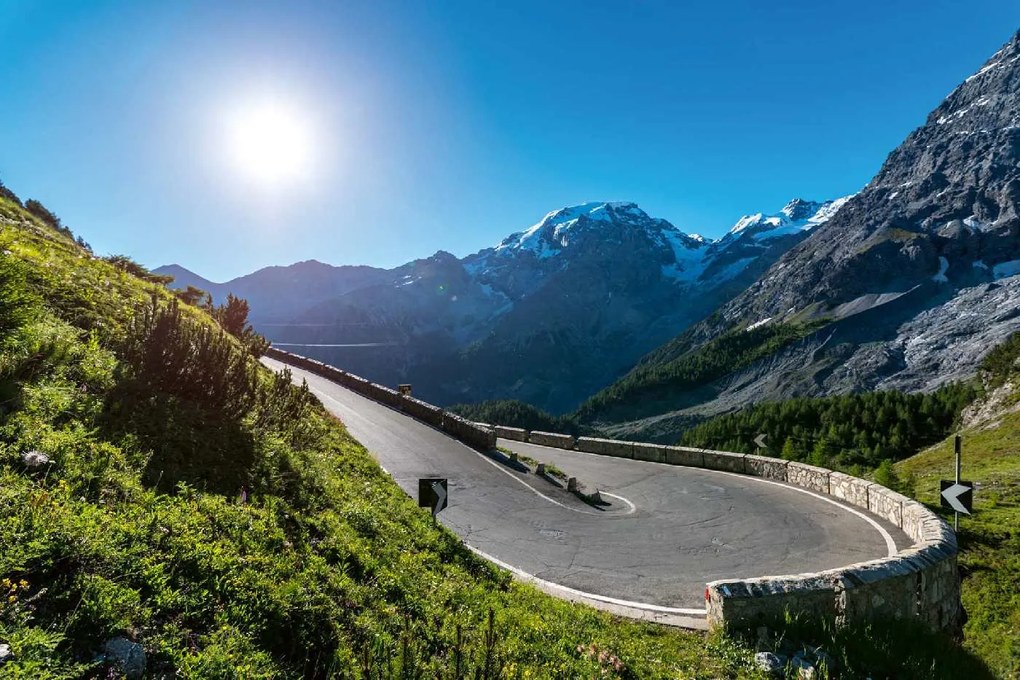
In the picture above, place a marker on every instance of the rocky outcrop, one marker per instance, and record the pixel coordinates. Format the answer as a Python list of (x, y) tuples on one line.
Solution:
[(945, 207)]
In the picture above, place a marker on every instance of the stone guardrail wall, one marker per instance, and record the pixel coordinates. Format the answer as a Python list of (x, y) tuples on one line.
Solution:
[(470, 433), (920, 582)]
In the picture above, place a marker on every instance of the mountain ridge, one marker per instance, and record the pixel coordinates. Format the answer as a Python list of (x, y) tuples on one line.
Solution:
[(927, 251), (548, 315)]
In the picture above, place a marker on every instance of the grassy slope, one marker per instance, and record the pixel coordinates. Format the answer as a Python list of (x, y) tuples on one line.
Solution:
[(672, 376), (990, 539), (328, 567), (513, 413)]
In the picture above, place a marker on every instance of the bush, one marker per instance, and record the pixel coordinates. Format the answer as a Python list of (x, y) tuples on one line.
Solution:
[(233, 318), (170, 354), (125, 263), (17, 302), (43, 213), (8, 194)]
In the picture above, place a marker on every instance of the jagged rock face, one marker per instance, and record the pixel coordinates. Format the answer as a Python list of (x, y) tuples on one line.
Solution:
[(944, 206), (918, 273)]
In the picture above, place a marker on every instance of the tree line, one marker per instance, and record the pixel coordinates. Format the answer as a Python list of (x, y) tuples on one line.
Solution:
[(854, 432)]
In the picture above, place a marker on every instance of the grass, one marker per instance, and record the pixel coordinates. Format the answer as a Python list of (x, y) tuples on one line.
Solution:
[(989, 539), (550, 469)]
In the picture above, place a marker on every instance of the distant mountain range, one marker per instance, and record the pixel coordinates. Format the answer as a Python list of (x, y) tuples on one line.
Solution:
[(549, 315)]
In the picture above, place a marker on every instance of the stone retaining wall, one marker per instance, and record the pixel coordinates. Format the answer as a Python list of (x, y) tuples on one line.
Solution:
[(920, 582), (682, 455), (423, 411), (765, 467), (808, 477), (468, 432), (652, 453), (723, 460), (457, 427)]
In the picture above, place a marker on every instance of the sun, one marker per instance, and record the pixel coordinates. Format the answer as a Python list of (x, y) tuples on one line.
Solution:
[(271, 143)]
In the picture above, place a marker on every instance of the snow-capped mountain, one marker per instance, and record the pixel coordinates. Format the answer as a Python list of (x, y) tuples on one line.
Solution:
[(796, 216), (548, 315)]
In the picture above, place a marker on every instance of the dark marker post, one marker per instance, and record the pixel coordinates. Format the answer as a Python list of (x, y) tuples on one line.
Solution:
[(958, 443)]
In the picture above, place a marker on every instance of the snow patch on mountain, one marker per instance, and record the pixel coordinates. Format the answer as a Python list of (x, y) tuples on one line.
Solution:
[(796, 216), (1006, 269), (684, 257)]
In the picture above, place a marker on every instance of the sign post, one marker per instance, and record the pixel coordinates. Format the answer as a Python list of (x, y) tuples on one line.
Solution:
[(957, 495), (958, 447), (433, 493)]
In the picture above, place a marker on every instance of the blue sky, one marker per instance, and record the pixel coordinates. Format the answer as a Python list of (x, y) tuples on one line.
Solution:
[(448, 125)]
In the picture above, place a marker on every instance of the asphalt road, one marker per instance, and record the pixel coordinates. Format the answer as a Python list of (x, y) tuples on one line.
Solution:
[(667, 532)]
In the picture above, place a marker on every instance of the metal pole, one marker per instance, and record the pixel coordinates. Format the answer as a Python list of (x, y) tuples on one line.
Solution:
[(959, 445)]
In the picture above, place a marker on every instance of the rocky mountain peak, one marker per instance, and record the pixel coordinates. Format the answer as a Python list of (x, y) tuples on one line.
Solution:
[(798, 215), (799, 209), (596, 220), (944, 209)]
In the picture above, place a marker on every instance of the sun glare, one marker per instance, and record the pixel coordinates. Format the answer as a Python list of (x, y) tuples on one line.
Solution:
[(271, 144)]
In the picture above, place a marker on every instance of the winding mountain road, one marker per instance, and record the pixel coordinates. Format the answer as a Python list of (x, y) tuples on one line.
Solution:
[(667, 531)]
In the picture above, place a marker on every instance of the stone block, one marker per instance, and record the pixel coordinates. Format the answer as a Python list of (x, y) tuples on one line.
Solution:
[(468, 432), (723, 460), (559, 441), (682, 455), (650, 452), (765, 467), (385, 395), (514, 433), (605, 447), (423, 411), (808, 477)]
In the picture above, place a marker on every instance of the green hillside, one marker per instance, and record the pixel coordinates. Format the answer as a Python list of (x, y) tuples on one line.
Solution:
[(513, 413), (673, 375), (989, 540), (156, 483)]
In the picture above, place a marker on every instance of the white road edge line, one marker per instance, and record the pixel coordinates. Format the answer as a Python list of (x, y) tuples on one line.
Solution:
[(580, 593), (633, 507), (890, 544)]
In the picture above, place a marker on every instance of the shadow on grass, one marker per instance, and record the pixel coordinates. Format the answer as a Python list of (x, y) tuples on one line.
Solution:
[(884, 648), (186, 444)]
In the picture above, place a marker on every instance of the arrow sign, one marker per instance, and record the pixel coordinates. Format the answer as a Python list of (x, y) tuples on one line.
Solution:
[(958, 496), (760, 440), (439, 489), (433, 493)]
